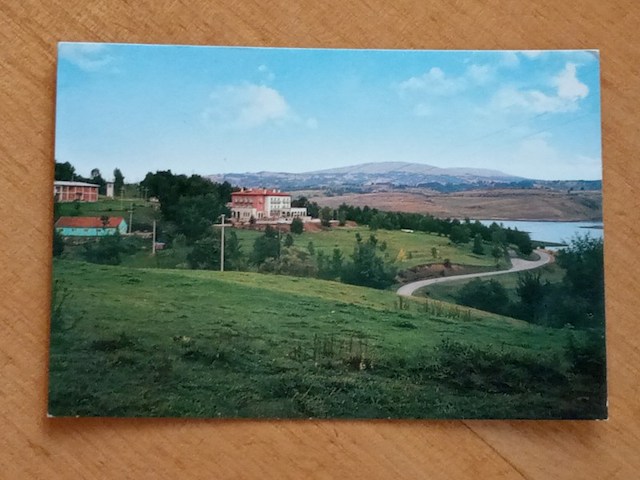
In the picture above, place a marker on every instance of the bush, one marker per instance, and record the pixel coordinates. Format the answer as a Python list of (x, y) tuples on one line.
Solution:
[(490, 296), (297, 226), (469, 368), (107, 250), (366, 268), (58, 243), (291, 262)]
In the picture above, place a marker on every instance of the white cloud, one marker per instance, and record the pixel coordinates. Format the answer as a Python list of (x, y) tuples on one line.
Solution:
[(246, 106), (312, 123), (568, 85), (434, 82), (480, 74), (569, 91), (90, 57)]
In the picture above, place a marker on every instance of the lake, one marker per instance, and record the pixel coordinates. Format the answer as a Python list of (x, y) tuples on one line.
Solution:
[(556, 232)]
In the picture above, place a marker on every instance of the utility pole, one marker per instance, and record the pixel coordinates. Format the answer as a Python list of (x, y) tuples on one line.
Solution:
[(222, 242), (131, 218), (153, 247)]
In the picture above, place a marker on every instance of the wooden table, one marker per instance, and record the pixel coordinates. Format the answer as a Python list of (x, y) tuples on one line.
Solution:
[(32, 446)]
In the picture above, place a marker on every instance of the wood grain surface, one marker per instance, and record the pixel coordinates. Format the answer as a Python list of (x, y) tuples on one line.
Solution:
[(32, 446)]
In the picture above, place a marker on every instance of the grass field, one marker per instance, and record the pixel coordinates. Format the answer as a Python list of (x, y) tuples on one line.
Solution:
[(154, 342), (416, 246)]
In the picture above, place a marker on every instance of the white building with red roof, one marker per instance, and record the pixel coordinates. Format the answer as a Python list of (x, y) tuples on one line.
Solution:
[(263, 204)]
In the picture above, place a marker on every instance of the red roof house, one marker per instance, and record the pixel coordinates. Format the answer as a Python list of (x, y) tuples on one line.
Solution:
[(90, 226)]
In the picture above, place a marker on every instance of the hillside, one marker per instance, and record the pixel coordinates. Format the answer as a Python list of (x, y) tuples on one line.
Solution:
[(506, 204), (392, 173), (138, 342), (369, 177)]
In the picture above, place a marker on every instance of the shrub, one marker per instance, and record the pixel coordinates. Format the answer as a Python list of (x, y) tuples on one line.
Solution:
[(490, 296)]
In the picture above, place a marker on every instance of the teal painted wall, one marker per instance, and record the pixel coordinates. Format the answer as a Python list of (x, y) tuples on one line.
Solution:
[(92, 232)]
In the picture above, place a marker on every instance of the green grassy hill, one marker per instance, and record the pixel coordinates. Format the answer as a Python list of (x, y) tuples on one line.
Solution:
[(134, 342), (416, 246)]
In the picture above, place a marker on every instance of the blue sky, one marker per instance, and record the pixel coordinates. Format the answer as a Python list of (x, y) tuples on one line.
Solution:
[(213, 110)]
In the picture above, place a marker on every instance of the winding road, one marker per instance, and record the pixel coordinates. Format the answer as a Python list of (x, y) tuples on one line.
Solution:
[(517, 265)]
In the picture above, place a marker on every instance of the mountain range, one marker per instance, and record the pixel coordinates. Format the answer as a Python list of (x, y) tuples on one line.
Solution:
[(397, 174)]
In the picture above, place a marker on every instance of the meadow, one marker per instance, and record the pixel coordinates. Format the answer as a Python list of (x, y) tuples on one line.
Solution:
[(157, 342), (403, 248)]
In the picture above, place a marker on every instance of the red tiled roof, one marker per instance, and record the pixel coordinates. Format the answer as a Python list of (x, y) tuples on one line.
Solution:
[(87, 222), (261, 193)]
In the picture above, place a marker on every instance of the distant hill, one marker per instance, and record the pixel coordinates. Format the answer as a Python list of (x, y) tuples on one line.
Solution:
[(396, 174), (369, 177)]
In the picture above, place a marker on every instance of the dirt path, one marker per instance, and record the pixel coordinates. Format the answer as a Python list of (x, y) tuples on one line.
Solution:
[(517, 265)]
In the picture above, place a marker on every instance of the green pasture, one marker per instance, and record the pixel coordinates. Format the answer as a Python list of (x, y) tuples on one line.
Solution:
[(406, 249), (156, 342)]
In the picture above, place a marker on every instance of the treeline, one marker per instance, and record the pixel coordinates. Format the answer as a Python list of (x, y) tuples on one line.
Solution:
[(276, 252), (577, 300), (459, 232), (66, 172), (189, 205)]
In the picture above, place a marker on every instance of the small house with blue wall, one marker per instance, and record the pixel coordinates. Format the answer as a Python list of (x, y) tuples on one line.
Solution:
[(90, 226)]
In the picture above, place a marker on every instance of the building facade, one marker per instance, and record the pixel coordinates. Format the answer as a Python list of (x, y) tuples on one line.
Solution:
[(263, 204), (64, 191), (90, 226)]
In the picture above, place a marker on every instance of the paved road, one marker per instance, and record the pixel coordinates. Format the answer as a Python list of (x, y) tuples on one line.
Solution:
[(518, 265)]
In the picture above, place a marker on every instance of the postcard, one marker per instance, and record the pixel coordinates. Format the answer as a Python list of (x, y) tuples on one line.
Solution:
[(321, 233)]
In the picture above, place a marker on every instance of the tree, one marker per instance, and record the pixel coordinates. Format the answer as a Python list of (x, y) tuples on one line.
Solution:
[(366, 268), (497, 252), (530, 290), (265, 246), (297, 226), (118, 182), (96, 178), (459, 234), (58, 243), (326, 215), (584, 277), (195, 215), (170, 188), (291, 262), (434, 252), (337, 260), (288, 240), (106, 250), (342, 218), (313, 209), (478, 249), (205, 254), (64, 171), (490, 296), (300, 202)]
